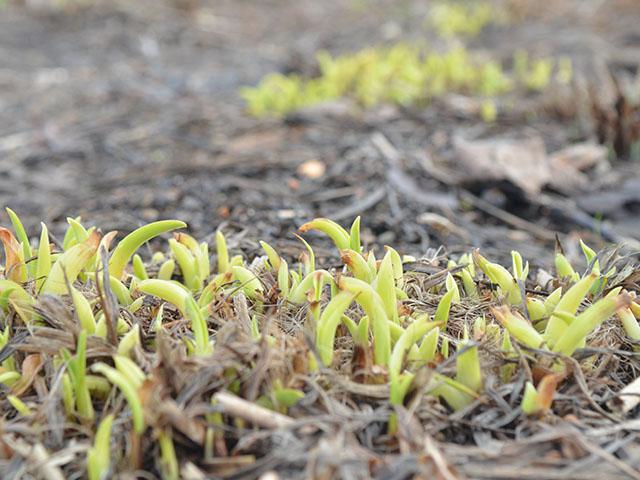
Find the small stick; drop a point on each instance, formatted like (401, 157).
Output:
(438, 459)
(239, 407)
(508, 218)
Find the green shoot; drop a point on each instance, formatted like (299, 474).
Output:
(68, 266)
(330, 228)
(129, 244)
(129, 391)
(99, 455)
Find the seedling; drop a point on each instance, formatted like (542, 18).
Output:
(385, 322)
(99, 455)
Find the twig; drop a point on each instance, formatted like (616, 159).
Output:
(508, 218)
(109, 303)
(609, 458)
(239, 407)
(358, 207)
(406, 186)
(403, 183)
(438, 459)
(628, 398)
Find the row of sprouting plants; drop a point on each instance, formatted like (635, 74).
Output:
(365, 300)
(406, 75)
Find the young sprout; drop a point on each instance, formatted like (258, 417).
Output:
(444, 306)
(536, 309)
(176, 294)
(398, 269)
(128, 389)
(136, 304)
(426, 352)
(538, 400)
(520, 272)
(121, 292)
(452, 19)
(552, 300)
(43, 267)
(167, 290)
(199, 326)
(354, 236)
(158, 320)
(9, 378)
(539, 76)
(328, 323)
(68, 266)
(129, 244)
(249, 282)
(339, 235)
(501, 277)
(168, 460)
(309, 285)
(79, 233)
(284, 398)
(357, 265)
(13, 294)
(587, 321)
(506, 371)
(412, 334)
(188, 265)
(68, 399)
(384, 284)
(19, 405)
(468, 371)
(518, 327)
(444, 348)
(452, 286)
(84, 312)
(629, 323)
(468, 282)
(200, 252)
(568, 304)
(222, 252)
(14, 268)
(564, 268)
(272, 256)
(373, 306)
(590, 255)
(139, 270)
(457, 395)
(99, 455)
(284, 282)
(129, 341)
(165, 272)
(77, 366)
(21, 234)
(309, 258)
(481, 329)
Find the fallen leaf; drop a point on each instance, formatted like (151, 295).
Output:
(568, 164)
(628, 398)
(31, 365)
(523, 162)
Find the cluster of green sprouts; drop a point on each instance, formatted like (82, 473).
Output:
(466, 19)
(404, 75)
(366, 300)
